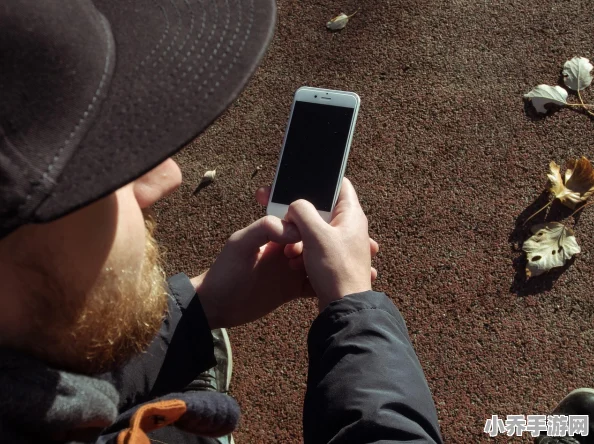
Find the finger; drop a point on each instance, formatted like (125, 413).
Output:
(309, 222)
(264, 230)
(293, 250)
(373, 247)
(297, 263)
(263, 195)
(347, 202)
(373, 274)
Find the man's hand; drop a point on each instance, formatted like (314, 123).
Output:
(337, 256)
(260, 268)
(295, 251)
(251, 277)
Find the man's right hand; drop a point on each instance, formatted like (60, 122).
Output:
(337, 256)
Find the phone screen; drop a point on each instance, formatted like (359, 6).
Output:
(313, 154)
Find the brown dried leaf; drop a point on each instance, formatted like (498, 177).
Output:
(206, 180)
(578, 185)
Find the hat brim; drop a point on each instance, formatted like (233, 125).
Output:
(179, 65)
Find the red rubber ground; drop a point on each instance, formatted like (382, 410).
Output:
(446, 156)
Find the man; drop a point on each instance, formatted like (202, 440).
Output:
(95, 345)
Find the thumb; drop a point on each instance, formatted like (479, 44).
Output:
(346, 204)
(309, 222)
(264, 230)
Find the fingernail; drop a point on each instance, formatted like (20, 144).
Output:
(292, 231)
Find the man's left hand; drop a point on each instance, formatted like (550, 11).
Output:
(251, 277)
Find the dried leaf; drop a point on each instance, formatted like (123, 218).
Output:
(578, 185)
(543, 94)
(577, 73)
(551, 245)
(206, 180)
(340, 21)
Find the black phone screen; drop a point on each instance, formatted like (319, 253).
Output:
(313, 154)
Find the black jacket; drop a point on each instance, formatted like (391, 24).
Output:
(365, 383)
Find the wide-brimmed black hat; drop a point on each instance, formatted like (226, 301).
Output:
(95, 94)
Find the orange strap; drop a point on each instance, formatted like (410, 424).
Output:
(150, 417)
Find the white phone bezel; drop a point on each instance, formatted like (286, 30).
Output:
(326, 97)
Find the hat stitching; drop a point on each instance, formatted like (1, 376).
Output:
(161, 82)
(217, 84)
(187, 37)
(227, 50)
(160, 42)
(85, 115)
(233, 61)
(173, 40)
(202, 50)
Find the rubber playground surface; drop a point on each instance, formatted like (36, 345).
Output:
(447, 160)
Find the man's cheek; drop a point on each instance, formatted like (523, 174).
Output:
(129, 245)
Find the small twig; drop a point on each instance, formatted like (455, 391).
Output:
(258, 168)
(546, 206)
(583, 104)
(567, 220)
(579, 209)
(562, 235)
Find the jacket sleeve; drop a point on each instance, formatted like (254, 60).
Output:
(365, 383)
(181, 350)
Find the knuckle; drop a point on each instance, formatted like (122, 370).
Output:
(268, 222)
(235, 237)
(299, 204)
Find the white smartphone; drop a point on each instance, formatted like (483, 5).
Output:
(315, 150)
